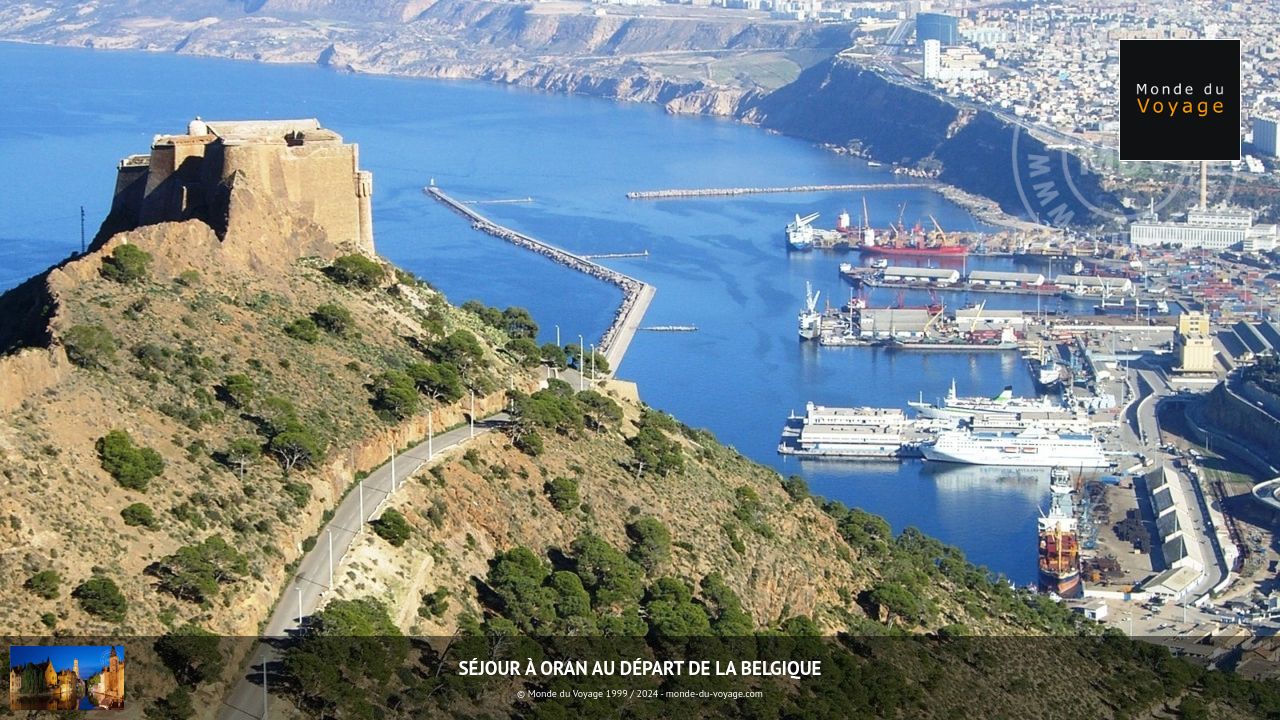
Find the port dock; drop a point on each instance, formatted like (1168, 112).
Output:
(636, 295)
(722, 192)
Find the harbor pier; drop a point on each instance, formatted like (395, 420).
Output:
(720, 192)
(636, 295)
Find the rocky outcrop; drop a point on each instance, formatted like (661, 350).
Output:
(840, 103)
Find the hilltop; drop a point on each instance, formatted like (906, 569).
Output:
(186, 402)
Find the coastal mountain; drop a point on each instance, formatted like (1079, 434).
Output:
(185, 403)
(971, 149)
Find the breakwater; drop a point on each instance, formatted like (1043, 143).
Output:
(636, 295)
(722, 192)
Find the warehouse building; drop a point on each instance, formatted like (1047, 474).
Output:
(997, 278)
(883, 323)
(934, 276)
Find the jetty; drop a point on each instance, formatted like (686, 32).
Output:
(601, 256)
(507, 201)
(636, 295)
(718, 192)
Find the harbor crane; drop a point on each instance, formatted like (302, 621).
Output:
(804, 221)
(946, 242)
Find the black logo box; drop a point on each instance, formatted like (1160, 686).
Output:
(1189, 65)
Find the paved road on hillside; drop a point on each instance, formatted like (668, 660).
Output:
(311, 581)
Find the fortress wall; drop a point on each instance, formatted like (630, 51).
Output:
(321, 179)
(173, 190)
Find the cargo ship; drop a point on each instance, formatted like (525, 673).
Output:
(902, 242)
(1032, 447)
(810, 319)
(1060, 541)
(800, 232)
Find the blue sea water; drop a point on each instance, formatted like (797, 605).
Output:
(718, 263)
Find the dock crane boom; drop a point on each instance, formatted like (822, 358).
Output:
(945, 240)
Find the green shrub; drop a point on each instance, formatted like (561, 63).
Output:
(392, 527)
(126, 264)
(191, 653)
(139, 514)
(296, 447)
(195, 572)
(44, 583)
(300, 493)
(796, 487)
(355, 271)
(131, 466)
(99, 596)
(530, 443)
(333, 318)
(434, 604)
(650, 542)
(303, 329)
(237, 390)
(90, 346)
(395, 396)
(563, 493)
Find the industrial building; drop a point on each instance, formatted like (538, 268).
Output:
(1181, 554)
(978, 318)
(999, 278)
(1193, 343)
(1216, 229)
(936, 276)
(1094, 284)
(893, 322)
(1247, 340)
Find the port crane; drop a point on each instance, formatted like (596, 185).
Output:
(946, 241)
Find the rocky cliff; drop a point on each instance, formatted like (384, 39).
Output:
(841, 103)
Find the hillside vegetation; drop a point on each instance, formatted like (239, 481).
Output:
(204, 416)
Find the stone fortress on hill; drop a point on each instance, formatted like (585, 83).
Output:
(190, 177)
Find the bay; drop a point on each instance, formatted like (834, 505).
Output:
(717, 263)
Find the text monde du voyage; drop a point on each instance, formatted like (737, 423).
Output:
(1182, 99)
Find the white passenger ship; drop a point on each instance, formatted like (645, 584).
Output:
(1034, 447)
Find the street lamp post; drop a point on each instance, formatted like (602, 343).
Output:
(431, 432)
(593, 362)
(582, 350)
(329, 531)
(299, 589)
(393, 461)
(363, 517)
(473, 413)
(264, 687)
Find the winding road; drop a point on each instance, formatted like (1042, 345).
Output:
(302, 597)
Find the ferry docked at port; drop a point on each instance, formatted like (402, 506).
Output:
(966, 408)
(1032, 447)
(858, 432)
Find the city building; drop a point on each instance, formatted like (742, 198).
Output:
(1266, 132)
(1193, 343)
(1212, 229)
(936, 26)
(932, 59)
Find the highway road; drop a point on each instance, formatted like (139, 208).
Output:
(304, 595)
